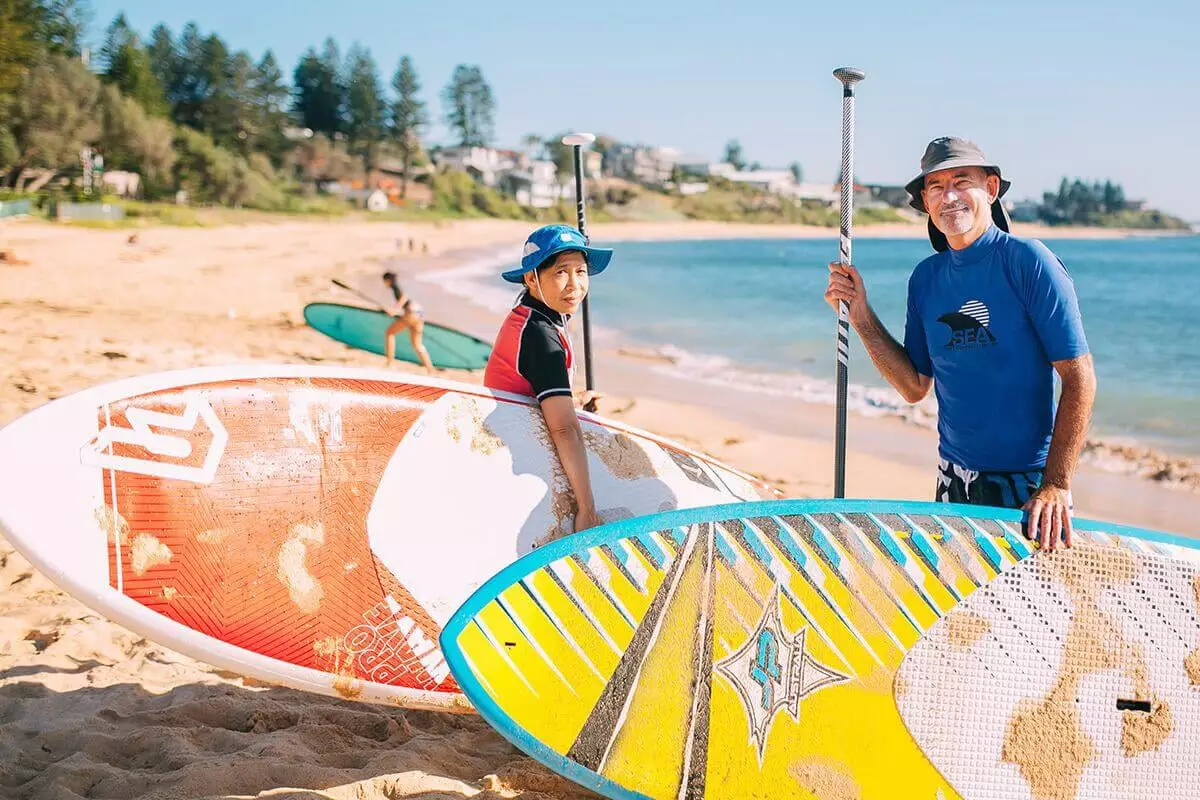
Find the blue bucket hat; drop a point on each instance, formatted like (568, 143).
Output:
(550, 240)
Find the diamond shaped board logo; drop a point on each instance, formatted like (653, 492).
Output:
(773, 672)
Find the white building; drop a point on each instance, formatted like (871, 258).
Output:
(536, 186)
(484, 164)
(823, 193)
(647, 165)
(775, 181)
(703, 168)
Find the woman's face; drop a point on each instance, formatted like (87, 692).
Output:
(562, 284)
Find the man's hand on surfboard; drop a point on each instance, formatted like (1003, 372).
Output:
(1049, 517)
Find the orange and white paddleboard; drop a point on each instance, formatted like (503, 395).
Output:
(312, 527)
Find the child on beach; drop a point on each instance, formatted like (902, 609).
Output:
(532, 354)
(410, 317)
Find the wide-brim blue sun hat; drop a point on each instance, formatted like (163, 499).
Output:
(550, 240)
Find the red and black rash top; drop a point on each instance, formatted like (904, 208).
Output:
(532, 354)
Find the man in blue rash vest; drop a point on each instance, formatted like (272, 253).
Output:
(991, 319)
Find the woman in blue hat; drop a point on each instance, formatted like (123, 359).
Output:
(532, 354)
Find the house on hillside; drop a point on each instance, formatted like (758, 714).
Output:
(692, 166)
(536, 185)
(862, 194)
(885, 195)
(484, 164)
(651, 166)
(773, 181)
(824, 193)
(1023, 210)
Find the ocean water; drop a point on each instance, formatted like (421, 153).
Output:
(752, 313)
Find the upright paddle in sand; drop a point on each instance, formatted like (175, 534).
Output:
(577, 142)
(848, 76)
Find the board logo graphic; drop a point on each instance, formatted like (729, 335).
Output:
(969, 326)
(772, 672)
(143, 432)
(376, 646)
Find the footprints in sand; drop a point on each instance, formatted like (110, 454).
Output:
(88, 709)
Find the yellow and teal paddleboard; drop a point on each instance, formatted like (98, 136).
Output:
(844, 650)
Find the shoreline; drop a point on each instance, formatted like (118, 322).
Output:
(1116, 453)
(789, 442)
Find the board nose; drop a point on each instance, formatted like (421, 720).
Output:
(52, 503)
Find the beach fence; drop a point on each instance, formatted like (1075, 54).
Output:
(15, 208)
(88, 211)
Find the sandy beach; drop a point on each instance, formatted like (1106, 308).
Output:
(88, 709)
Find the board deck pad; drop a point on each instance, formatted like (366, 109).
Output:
(1096, 693)
(364, 329)
(312, 526)
(811, 649)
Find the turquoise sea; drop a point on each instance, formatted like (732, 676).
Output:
(752, 313)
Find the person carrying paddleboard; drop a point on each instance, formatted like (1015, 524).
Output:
(991, 318)
(409, 316)
(532, 354)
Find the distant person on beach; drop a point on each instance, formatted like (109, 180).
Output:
(991, 318)
(409, 316)
(532, 354)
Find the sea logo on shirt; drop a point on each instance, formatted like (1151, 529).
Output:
(969, 326)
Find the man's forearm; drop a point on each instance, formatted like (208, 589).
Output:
(1070, 432)
(890, 358)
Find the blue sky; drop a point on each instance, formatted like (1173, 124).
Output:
(1092, 89)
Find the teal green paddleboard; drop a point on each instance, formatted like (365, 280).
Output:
(363, 329)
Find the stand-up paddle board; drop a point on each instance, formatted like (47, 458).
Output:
(311, 526)
(364, 328)
(844, 649)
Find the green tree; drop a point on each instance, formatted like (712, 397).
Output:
(117, 35)
(733, 155)
(318, 98)
(218, 112)
(534, 145)
(797, 172)
(469, 106)
(21, 43)
(269, 95)
(163, 57)
(188, 87)
(33, 29)
(365, 106)
(243, 110)
(1114, 197)
(131, 139)
(563, 155)
(64, 26)
(30, 32)
(408, 118)
(54, 116)
(604, 145)
(211, 173)
(127, 65)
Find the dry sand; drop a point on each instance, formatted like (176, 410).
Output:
(88, 709)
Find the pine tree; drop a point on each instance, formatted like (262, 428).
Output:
(408, 117)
